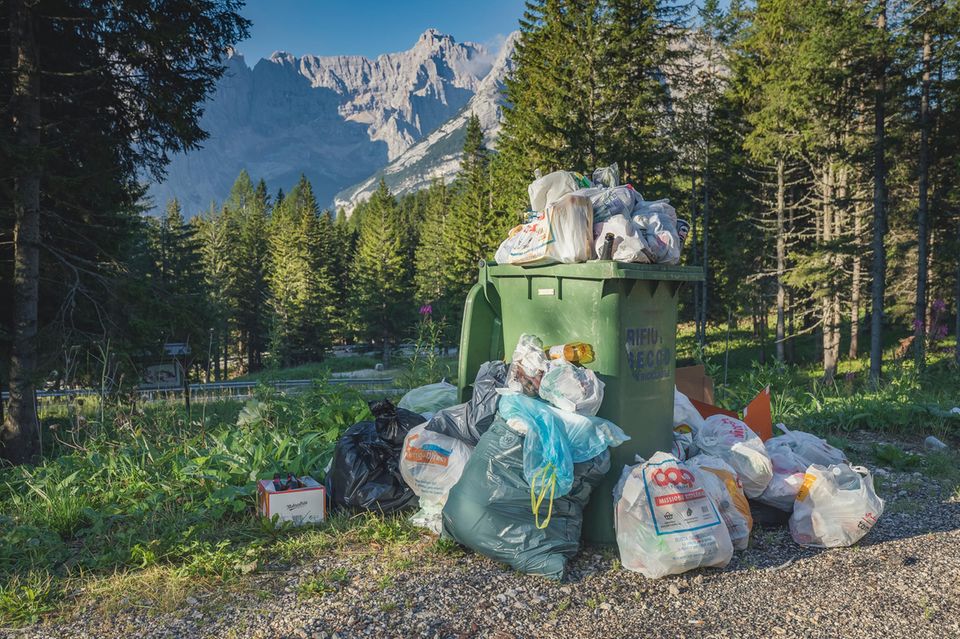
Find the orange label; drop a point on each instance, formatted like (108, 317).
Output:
(808, 480)
(421, 456)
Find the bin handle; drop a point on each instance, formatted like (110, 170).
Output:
(485, 274)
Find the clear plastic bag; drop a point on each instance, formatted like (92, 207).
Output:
(723, 486)
(629, 244)
(836, 506)
(610, 202)
(607, 176)
(562, 233)
(431, 464)
(666, 521)
(572, 388)
(684, 412)
(658, 221)
(549, 188)
(732, 441)
(430, 398)
(808, 447)
(788, 472)
(529, 363)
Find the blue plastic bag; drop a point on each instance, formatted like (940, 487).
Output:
(558, 439)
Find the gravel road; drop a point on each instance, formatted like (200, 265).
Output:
(903, 580)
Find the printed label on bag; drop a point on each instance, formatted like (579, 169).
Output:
(808, 480)
(429, 454)
(677, 503)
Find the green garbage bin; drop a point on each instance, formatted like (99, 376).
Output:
(627, 312)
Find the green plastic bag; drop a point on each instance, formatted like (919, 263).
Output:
(429, 399)
(489, 509)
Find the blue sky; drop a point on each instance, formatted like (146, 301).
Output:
(369, 27)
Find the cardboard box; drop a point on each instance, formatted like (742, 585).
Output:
(694, 382)
(305, 505)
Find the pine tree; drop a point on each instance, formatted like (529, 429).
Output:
(248, 205)
(382, 277)
(301, 291)
(472, 232)
(430, 276)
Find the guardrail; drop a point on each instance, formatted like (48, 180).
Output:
(231, 390)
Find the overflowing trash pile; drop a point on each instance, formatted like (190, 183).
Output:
(574, 218)
(509, 472)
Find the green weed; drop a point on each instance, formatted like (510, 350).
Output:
(24, 600)
(896, 458)
(324, 583)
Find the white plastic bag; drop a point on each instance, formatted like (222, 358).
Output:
(430, 398)
(836, 506)
(658, 220)
(720, 480)
(732, 441)
(528, 364)
(562, 233)
(810, 448)
(610, 202)
(572, 388)
(431, 464)
(684, 412)
(551, 187)
(628, 243)
(683, 446)
(666, 522)
(788, 471)
(607, 176)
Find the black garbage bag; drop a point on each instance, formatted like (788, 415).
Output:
(365, 471)
(489, 511)
(470, 420)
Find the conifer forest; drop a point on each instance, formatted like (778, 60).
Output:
(813, 146)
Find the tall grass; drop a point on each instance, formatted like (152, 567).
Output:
(151, 490)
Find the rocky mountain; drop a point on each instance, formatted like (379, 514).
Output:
(437, 155)
(338, 119)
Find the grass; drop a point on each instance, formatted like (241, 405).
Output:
(147, 493)
(146, 508)
(314, 370)
(907, 402)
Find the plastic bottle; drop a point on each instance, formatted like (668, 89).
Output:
(574, 352)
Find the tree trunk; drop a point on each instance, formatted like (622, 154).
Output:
(20, 434)
(855, 284)
(829, 356)
(781, 261)
(879, 266)
(694, 256)
(920, 314)
(956, 298)
(706, 245)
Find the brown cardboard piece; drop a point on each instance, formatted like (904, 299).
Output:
(694, 382)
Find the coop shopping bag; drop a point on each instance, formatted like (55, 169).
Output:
(666, 521)
(836, 506)
(561, 233)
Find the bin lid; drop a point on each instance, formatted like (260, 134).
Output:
(601, 270)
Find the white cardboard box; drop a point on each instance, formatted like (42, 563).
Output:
(305, 505)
